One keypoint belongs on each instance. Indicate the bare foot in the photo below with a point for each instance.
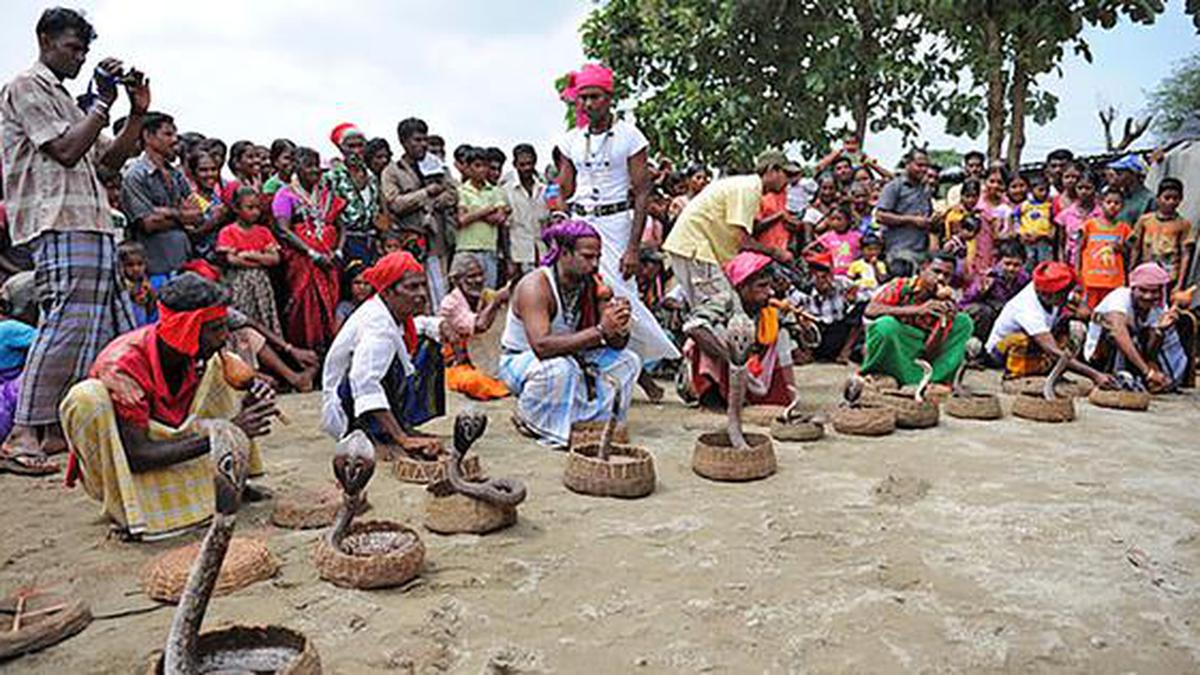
(53, 441)
(648, 385)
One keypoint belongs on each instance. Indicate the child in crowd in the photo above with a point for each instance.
(393, 241)
(969, 234)
(111, 180)
(1017, 192)
(993, 204)
(206, 196)
(1071, 218)
(1102, 249)
(1065, 198)
(246, 250)
(869, 271)
(989, 292)
(839, 240)
(482, 211)
(1033, 222)
(862, 212)
(360, 291)
(131, 261)
(1163, 236)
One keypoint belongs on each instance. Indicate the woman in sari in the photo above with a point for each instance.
(305, 212)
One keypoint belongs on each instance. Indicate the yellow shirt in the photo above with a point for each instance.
(865, 275)
(711, 226)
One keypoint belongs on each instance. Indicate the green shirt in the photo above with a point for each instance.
(479, 235)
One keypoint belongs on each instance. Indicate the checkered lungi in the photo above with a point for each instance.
(83, 306)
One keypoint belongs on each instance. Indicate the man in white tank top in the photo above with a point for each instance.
(604, 177)
(565, 354)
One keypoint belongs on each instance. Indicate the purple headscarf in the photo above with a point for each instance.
(568, 231)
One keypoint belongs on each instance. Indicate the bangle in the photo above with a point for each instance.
(600, 332)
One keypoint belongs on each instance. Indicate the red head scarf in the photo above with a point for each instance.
(181, 330)
(385, 273)
(341, 131)
(745, 265)
(821, 261)
(1051, 276)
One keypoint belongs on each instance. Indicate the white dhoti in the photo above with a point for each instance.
(647, 339)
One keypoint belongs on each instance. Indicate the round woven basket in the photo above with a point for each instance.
(258, 649)
(865, 420)
(938, 393)
(380, 570)
(459, 514)
(423, 472)
(762, 415)
(1034, 385)
(1035, 407)
(586, 433)
(247, 561)
(974, 407)
(629, 471)
(714, 458)
(1121, 400)
(797, 432)
(881, 382)
(309, 509)
(40, 630)
(910, 413)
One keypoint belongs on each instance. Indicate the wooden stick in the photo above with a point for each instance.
(38, 612)
(16, 624)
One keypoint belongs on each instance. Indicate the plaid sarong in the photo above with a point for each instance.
(157, 503)
(84, 306)
(552, 393)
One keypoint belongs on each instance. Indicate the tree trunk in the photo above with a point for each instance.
(995, 86)
(1018, 91)
(861, 106)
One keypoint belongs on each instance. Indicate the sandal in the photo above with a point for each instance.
(26, 464)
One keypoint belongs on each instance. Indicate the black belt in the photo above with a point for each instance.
(601, 210)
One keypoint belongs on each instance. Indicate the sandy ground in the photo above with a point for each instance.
(1003, 546)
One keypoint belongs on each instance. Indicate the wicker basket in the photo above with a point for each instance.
(586, 433)
(797, 432)
(221, 649)
(762, 415)
(40, 630)
(310, 509)
(409, 470)
(881, 382)
(391, 568)
(714, 458)
(629, 471)
(1034, 385)
(246, 562)
(910, 413)
(459, 514)
(938, 393)
(974, 407)
(865, 420)
(1121, 400)
(1035, 407)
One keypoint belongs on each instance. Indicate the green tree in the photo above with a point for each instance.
(1006, 46)
(719, 81)
(1177, 97)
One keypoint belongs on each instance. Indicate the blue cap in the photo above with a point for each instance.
(1130, 162)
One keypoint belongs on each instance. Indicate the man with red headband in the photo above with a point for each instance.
(384, 372)
(1023, 336)
(604, 176)
(1133, 330)
(136, 428)
(770, 366)
(564, 342)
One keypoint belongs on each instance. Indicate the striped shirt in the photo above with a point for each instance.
(40, 194)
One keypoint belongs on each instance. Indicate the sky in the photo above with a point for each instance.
(477, 71)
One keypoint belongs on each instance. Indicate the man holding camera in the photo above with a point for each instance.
(56, 204)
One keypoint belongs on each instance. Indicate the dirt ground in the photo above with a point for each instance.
(975, 546)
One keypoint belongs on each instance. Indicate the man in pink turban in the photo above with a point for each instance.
(1134, 331)
(604, 178)
(770, 366)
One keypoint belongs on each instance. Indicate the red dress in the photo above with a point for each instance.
(308, 317)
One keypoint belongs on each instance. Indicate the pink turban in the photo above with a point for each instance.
(1149, 275)
(745, 265)
(591, 75)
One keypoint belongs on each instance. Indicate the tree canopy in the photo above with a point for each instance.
(1176, 99)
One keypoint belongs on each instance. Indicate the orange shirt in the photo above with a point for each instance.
(1103, 258)
(777, 235)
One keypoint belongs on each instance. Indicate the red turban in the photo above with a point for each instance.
(822, 260)
(341, 131)
(745, 265)
(181, 330)
(385, 273)
(1051, 276)
(203, 268)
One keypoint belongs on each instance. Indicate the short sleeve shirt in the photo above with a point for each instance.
(1119, 300)
(711, 227)
(256, 238)
(479, 235)
(40, 194)
(906, 199)
(144, 188)
(1023, 314)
